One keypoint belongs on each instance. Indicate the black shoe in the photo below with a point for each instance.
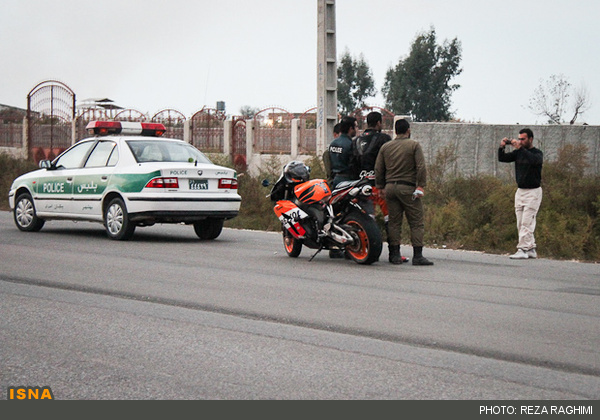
(421, 261)
(336, 253)
(394, 254)
(395, 259)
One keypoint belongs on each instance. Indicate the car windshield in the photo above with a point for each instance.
(165, 151)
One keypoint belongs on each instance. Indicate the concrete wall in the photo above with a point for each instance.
(476, 145)
(16, 152)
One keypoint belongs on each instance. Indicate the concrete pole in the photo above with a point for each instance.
(187, 132)
(326, 74)
(250, 144)
(73, 131)
(227, 137)
(295, 137)
(26, 149)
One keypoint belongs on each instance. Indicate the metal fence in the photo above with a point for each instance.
(206, 130)
(272, 131)
(307, 143)
(11, 135)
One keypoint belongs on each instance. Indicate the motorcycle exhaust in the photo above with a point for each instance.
(340, 235)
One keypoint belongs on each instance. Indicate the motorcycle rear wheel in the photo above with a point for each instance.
(367, 238)
(292, 246)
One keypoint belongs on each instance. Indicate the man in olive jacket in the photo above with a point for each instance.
(401, 174)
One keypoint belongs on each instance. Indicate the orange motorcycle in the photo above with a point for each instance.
(313, 215)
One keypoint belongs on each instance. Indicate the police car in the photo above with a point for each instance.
(125, 180)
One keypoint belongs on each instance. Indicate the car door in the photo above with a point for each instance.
(55, 187)
(92, 179)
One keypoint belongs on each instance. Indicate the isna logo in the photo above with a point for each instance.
(29, 393)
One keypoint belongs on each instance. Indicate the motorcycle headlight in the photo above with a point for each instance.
(367, 190)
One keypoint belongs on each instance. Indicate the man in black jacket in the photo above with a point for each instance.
(367, 145)
(364, 153)
(528, 171)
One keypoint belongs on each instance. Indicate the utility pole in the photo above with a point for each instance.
(326, 74)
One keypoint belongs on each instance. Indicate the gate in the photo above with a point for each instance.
(273, 131)
(50, 116)
(238, 144)
(207, 131)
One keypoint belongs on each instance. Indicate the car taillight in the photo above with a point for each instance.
(163, 183)
(228, 183)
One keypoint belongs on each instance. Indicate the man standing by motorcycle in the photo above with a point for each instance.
(340, 154)
(340, 151)
(365, 149)
(326, 158)
(400, 169)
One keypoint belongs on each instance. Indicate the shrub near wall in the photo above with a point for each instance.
(477, 213)
(473, 213)
(568, 221)
(11, 168)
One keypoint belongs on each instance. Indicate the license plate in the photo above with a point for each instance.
(198, 184)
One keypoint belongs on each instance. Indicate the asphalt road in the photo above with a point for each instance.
(166, 316)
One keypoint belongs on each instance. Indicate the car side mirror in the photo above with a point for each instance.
(45, 164)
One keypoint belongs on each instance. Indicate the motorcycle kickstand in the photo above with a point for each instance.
(319, 250)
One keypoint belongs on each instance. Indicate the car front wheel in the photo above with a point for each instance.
(25, 215)
(116, 221)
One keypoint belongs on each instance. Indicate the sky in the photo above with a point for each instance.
(151, 55)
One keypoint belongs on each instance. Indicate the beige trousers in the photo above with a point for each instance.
(527, 204)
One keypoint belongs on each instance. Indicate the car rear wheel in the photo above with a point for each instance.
(25, 215)
(208, 229)
(116, 221)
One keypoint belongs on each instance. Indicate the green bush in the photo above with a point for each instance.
(568, 225)
(11, 168)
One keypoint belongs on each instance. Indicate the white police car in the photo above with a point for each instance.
(124, 181)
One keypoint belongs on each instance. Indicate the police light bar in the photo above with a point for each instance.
(104, 128)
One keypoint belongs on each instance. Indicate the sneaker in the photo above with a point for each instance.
(519, 255)
(421, 261)
(531, 253)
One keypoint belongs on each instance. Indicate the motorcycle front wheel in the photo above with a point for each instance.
(368, 242)
(292, 246)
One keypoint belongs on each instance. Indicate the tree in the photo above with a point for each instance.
(551, 100)
(248, 111)
(419, 85)
(355, 83)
